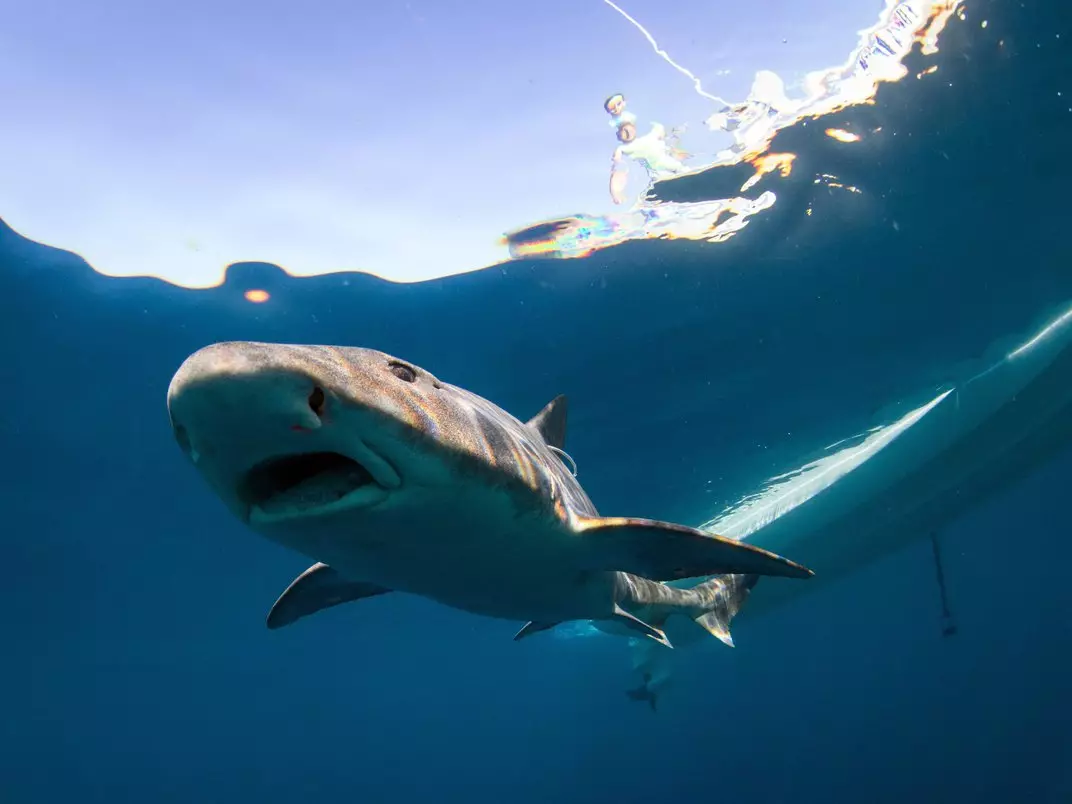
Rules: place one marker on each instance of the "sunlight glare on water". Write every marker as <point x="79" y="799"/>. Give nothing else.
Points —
<point x="210" y="153"/>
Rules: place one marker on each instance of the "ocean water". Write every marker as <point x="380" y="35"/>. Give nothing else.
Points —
<point x="137" y="665"/>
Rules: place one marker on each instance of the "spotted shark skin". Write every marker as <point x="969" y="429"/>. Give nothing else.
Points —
<point x="461" y="502"/>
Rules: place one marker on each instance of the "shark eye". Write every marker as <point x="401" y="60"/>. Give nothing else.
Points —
<point x="403" y="372"/>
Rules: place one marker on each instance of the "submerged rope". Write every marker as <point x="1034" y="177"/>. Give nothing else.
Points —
<point x="948" y="626"/>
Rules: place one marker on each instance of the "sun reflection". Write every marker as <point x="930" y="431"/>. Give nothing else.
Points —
<point x="768" y="163"/>
<point x="841" y="135"/>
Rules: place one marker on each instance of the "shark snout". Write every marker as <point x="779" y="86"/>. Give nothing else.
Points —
<point x="257" y="423"/>
<point x="230" y="415"/>
<point x="219" y="401"/>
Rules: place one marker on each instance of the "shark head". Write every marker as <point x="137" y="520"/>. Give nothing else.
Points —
<point x="286" y="433"/>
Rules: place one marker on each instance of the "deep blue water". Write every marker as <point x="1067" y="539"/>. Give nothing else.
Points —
<point x="138" y="667"/>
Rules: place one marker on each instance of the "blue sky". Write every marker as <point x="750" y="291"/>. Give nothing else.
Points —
<point x="400" y="139"/>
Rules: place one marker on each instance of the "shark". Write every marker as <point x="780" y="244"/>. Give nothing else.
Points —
<point x="393" y="481"/>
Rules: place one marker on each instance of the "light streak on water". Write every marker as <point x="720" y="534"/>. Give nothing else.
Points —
<point x="1043" y="334"/>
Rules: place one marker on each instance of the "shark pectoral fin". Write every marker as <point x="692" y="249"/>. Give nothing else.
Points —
<point x="530" y="628"/>
<point x="550" y="422"/>
<point x="663" y="551"/>
<point x="319" y="587"/>
<point x="623" y="617"/>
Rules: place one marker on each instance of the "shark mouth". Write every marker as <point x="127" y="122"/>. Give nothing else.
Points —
<point x="306" y="484"/>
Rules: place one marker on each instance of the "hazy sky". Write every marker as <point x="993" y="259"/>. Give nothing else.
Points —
<point x="399" y="138"/>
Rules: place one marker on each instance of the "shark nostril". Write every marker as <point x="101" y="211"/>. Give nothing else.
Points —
<point x="317" y="401"/>
<point x="182" y="437"/>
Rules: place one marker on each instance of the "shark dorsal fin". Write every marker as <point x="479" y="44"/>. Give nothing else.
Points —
<point x="551" y="422"/>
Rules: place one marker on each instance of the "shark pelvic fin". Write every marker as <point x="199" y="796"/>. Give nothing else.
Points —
<point x="319" y="587"/>
<point x="622" y="617"/>
<point x="619" y="615"/>
<point x="663" y="551"/>
<point x="551" y="422"/>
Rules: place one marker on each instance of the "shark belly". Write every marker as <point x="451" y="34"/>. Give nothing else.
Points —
<point x="473" y="550"/>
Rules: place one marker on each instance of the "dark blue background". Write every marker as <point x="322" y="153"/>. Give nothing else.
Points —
<point x="137" y="666"/>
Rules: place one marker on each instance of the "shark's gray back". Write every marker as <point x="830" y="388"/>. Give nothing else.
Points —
<point x="500" y="443"/>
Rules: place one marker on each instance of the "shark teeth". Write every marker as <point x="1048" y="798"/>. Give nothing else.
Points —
<point x="289" y="507"/>
<point x="319" y="490"/>
<point x="309" y="483"/>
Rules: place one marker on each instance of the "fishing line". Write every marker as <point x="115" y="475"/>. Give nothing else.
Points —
<point x="562" y="453"/>
<point x="666" y="56"/>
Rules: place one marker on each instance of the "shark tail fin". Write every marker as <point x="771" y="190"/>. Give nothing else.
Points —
<point x="722" y="597"/>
